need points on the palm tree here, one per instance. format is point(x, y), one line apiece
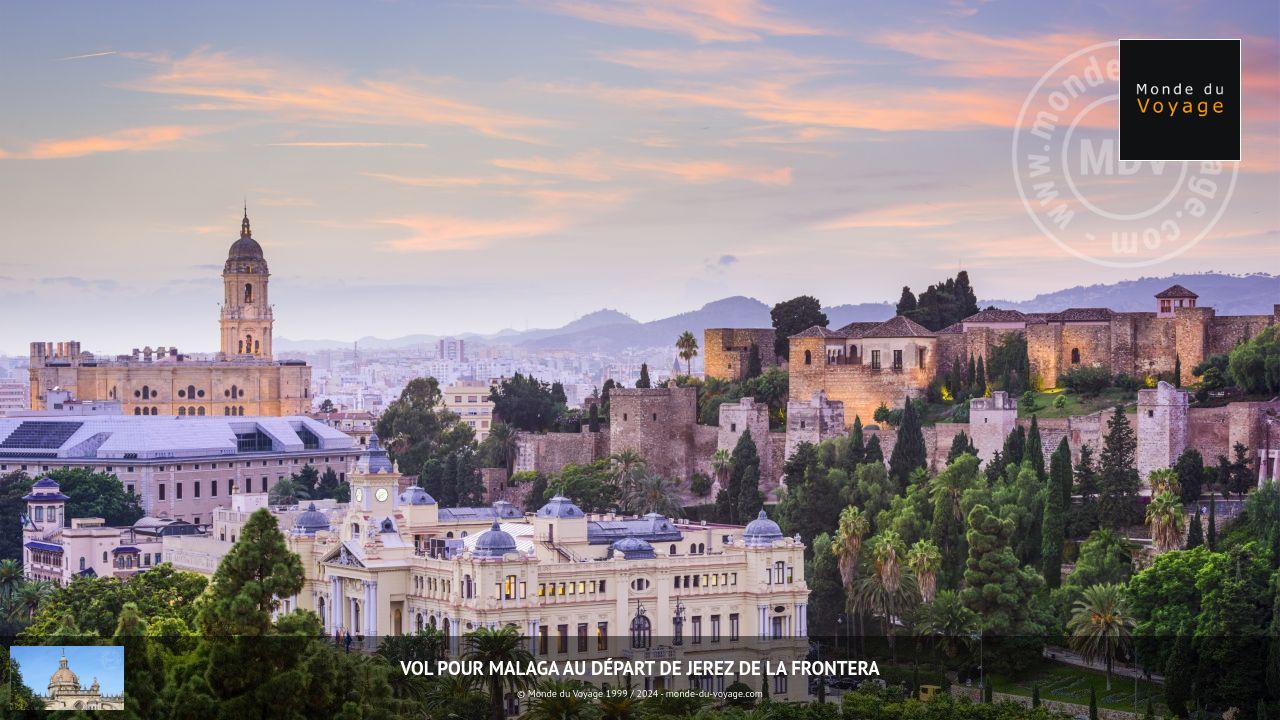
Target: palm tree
point(560, 699)
point(1167, 521)
point(626, 465)
point(449, 692)
point(888, 591)
point(1100, 625)
point(652, 493)
point(623, 707)
point(924, 559)
point(1164, 479)
point(721, 463)
point(688, 346)
point(500, 645)
point(947, 619)
point(848, 542)
point(29, 597)
point(10, 577)
point(504, 439)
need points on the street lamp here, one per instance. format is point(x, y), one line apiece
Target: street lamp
point(840, 625)
point(678, 623)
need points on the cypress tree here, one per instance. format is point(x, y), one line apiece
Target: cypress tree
point(1211, 536)
point(643, 382)
point(1118, 481)
point(956, 382)
point(857, 447)
point(1034, 450)
point(744, 456)
point(874, 453)
point(754, 365)
point(971, 374)
point(980, 378)
point(1055, 515)
point(751, 501)
point(1015, 447)
point(1195, 534)
point(909, 451)
point(960, 445)
point(994, 469)
point(593, 418)
point(1177, 371)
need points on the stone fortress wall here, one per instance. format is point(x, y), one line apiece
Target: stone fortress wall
point(725, 351)
point(834, 377)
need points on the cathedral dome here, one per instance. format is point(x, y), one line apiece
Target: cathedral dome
point(63, 679)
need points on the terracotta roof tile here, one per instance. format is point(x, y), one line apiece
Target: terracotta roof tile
point(899, 327)
point(1176, 291)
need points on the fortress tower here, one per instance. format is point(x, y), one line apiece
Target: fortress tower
point(1162, 428)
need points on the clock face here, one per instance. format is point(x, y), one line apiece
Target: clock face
point(381, 494)
point(359, 494)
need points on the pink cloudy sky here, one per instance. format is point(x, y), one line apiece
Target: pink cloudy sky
point(456, 166)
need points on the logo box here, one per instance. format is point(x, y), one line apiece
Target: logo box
point(1180, 100)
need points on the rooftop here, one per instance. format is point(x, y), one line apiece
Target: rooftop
point(1175, 291)
point(143, 437)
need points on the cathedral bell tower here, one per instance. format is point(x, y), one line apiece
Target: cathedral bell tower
point(246, 310)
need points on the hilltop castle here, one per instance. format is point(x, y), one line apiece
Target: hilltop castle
point(241, 379)
point(864, 364)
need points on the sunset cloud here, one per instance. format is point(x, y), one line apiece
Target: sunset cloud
point(702, 20)
point(706, 61)
point(222, 81)
point(345, 144)
point(440, 233)
point(965, 54)
point(594, 166)
point(915, 216)
point(140, 139)
point(454, 181)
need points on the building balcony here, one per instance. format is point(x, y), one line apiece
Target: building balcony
point(661, 652)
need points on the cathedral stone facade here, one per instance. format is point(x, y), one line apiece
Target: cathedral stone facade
point(66, 693)
point(241, 379)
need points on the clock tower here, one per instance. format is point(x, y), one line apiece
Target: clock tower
point(246, 311)
point(374, 484)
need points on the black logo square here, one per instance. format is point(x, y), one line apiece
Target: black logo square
point(1179, 99)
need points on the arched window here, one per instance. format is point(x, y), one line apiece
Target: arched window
point(248, 292)
point(1075, 356)
point(257, 348)
point(104, 556)
point(702, 548)
point(191, 411)
point(191, 391)
point(248, 342)
point(200, 411)
point(468, 587)
point(808, 358)
point(39, 513)
point(146, 392)
point(641, 632)
point(182, 411)
point(82, 563)
point(673, 550)
point(137, 411)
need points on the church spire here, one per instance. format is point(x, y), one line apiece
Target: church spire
point(244, 224)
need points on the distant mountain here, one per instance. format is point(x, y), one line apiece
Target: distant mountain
point(1228, 294)
point(611, 330)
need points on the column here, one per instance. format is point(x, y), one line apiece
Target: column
point(1263, 463)
point(335, 604)
point(762, 620)
point(453, 636)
